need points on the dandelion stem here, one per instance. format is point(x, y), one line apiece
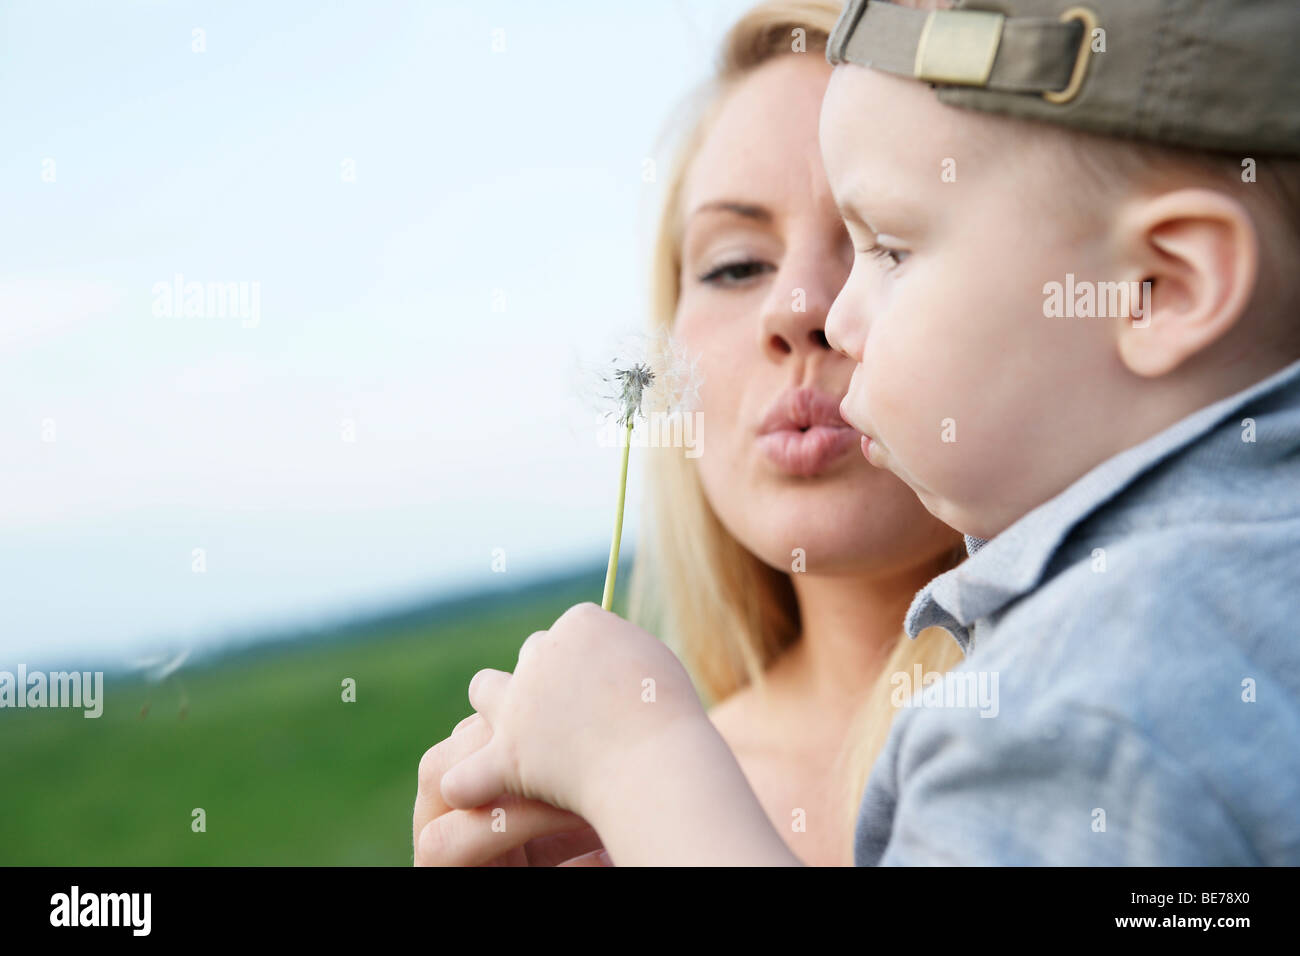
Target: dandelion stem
point(612, 571)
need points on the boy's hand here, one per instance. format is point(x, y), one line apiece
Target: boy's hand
point(591, 695)
point(536, 834)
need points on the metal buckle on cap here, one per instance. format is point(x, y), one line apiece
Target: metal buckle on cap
point(958, 46)
point(1089, 21)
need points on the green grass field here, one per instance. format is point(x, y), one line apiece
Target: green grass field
point(286, 772)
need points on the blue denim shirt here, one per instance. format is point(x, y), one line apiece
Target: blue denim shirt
point(1141, 632)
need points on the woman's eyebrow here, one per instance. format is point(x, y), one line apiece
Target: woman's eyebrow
point(747, 210)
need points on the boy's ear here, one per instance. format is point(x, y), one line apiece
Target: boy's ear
point(1200, 252)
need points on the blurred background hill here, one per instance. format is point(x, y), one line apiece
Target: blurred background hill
point(286, 772)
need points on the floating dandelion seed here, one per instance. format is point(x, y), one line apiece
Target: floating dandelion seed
point(159, 669)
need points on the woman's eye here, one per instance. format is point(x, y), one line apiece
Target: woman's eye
point(733, 273)
point(894, 257)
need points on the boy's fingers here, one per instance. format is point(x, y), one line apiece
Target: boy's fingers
point(486, 690)
point(594, 858)
point(530, 643)
point(475, 837)
point(436, 761)
point(475, 780)
point(467, 721)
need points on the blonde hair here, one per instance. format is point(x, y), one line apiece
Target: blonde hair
point(726, 613)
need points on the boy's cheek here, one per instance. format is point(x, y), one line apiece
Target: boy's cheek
point(898, 378)
point(932, 394)
point(924, 420)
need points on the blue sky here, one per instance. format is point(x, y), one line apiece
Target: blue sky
point(435, 231)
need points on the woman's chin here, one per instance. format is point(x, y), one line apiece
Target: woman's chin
point(826, 543)
point(860, 520)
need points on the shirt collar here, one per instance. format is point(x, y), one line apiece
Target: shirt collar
point(1011, 564)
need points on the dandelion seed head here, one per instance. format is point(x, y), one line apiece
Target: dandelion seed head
point(636, 380)
point(648, 374)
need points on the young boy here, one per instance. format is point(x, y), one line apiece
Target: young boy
point(1078, 333)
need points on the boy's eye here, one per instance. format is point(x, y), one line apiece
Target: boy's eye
point(734, 273)
point(894, 257)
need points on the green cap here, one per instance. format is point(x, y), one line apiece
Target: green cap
point(1210, 74)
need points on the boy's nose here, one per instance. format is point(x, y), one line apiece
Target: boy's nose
point(840, 333)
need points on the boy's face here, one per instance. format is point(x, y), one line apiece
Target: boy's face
point(967, 392)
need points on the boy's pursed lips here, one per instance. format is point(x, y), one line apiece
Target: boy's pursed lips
point(868, 441)
point(845, 405)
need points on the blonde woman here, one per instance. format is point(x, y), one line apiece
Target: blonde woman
point(778, 564)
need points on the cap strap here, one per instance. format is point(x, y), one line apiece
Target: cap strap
point(961, 47)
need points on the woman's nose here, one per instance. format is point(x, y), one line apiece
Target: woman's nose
point(794, 313)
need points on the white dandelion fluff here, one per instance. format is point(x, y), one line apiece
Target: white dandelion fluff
point(644, 375)
point(649, 375)
point(636, 381)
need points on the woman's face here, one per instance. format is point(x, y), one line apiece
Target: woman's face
point(764, 253)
